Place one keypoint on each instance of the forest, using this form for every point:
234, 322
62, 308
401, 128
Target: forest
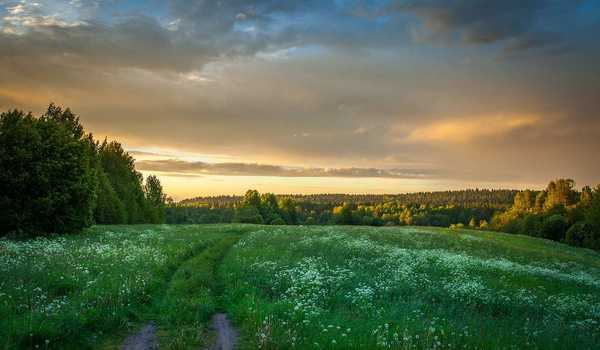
56, 178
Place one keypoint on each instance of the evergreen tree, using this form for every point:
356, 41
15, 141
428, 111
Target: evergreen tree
119, 167
155, 200
109, 207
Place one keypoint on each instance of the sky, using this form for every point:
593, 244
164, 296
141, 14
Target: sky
314, 96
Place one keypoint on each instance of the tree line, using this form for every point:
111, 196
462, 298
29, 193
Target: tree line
425, 208
559, 212
471, 198
56, 178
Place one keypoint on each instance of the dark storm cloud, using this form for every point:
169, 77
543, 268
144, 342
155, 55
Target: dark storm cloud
206, 31
485, 22
249, 169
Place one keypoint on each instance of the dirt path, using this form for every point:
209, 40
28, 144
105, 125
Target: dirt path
227, 336
145, 339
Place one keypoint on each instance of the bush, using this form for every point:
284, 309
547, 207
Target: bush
583, 234
277, 221
247, 215
554, 227
531, 225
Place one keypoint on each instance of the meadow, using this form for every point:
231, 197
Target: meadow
89, 290
305, 287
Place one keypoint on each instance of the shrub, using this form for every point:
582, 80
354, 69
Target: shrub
247, 215
583, 234
277, 221
554, 227
531, 225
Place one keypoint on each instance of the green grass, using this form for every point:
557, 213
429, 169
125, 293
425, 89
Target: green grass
300, 287
411, 288
75, 292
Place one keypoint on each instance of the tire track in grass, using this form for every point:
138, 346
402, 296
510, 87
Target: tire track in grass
145, 339
191, 300
227, 336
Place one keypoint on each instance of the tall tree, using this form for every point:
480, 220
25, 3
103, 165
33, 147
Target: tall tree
252, 198
48, 179
119, 167
156, 199
540, 200
560, 192
585, 198
109, 207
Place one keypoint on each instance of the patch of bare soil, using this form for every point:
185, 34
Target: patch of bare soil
145, 339
227, 336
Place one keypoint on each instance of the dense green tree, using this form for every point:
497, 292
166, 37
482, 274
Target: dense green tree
119, 167
155, 199
583, 234
55, 178
287, 208
585, 198
247, 215
109, 208
48, 180
278, 221
592, 214
252, 198
554, 227
343, 214
269, 209
531, 225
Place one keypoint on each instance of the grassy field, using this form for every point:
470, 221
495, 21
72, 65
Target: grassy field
86, 291
300, 287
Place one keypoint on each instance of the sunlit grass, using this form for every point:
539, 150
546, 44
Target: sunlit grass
405, 288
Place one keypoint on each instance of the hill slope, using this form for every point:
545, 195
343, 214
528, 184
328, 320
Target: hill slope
347, 287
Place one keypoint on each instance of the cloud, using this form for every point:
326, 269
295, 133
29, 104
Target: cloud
193, 33
188, 76
137, 42
486, 22
250, 169
467, 129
